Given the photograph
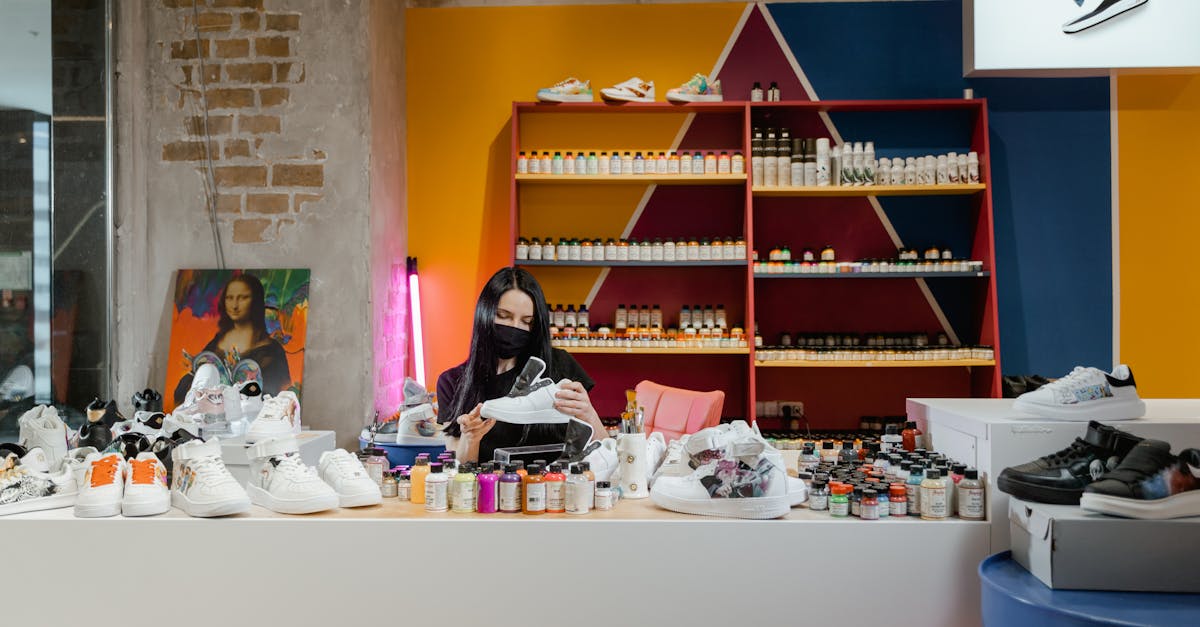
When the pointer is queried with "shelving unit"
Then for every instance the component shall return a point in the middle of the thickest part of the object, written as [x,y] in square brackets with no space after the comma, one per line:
[715,205]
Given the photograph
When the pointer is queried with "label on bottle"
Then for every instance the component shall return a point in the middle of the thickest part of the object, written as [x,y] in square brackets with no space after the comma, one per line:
[673,166]
[569,498]
[522,251]
[970,503]
[770,167]
[633,252]
[913,493]
[575,253]
[623,253]
[569,166]
[898,508]
[933,502]
[535,497]
[604,500]
[555,496]
[840,508]
[627,165]
[818,502]
[586,253]
[435,496]
[869,512]
[738,165]
[756,170]
[403,490]
[464,496]
[510,496]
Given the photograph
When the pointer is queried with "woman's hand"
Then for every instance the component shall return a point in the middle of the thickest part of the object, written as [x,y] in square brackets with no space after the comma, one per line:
[572,399]
[473,429]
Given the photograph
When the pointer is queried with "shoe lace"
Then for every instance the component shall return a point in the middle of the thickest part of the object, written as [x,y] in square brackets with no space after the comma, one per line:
[346,465]
[1077,449]
[210,469]
[293,468]
[144,471]
[1077,376]
[104,470]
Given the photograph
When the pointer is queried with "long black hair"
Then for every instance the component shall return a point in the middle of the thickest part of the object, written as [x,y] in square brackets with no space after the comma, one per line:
[258,306]
[481,364]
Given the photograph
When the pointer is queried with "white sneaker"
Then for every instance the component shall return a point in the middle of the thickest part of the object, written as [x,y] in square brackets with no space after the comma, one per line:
[180,422]
[147,423]
[534,407]
[674,464]
[146,491]
[632,90]
[251,396]
[281,482]
[26,489]
[569,90]
[603,460]
[345,474]
[743,478]
[18,385]
[201,485]
[102,487]
[41,428]
[1086,394]
[280,416]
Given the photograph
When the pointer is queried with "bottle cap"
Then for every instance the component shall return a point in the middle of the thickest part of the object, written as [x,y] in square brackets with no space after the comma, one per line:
[574,469]
[959,469]
[827,445]
[585,466]
[435,467]
[520,464]
[603,485]
[847,445]
[534,469]
[933,473]
[870,493]
[971,473]
[510,469]
[421,461]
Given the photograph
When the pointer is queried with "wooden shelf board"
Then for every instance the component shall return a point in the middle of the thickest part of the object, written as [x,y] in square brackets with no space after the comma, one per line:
[946,363]
[634,264]
[634,179]
[877,275]
[870,190]
[591,350]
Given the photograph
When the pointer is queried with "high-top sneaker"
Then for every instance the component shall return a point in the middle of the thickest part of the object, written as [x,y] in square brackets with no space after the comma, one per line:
[280,416]
[346,475]
[146,491]
[164,444]
[739,476]
[1150,483]
[1086,394]
[41,428]
[106,412]
[1059,478]
[250,394]
[102,487]
[147,423]
[281,482]
[530,402]
[130,444]
[201,485]
[147,400]
[96,435]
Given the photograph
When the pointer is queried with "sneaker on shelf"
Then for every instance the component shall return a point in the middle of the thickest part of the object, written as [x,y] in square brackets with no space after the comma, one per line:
[1086,394]
[147,423]
[147,400]
[77,460]
[202,487]
[29,487]
[1106,10]
[280,416]
[281,482]
[569,90]
[530,402]
[697,89]
[1060,478]
[95,435]
[345,474]
[18,385]
[251,395]
[1150,483]
[41,427]
[146,488]
[743,477]
[104,412]
[130,445]
[174,423]
[102,487]
[164,444]
[632,90]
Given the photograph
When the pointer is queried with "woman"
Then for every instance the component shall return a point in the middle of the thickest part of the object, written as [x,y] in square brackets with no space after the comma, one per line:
[243,326]
[511,325]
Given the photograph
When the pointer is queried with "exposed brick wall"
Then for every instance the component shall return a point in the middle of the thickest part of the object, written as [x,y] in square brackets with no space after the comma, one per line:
[251,62]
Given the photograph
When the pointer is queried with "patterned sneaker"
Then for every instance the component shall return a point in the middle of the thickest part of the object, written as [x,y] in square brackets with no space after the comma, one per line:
[1086,394]
[698,89]
[26,485]
[103,486]
[201,485]
[146,491]
[1150,484]
[632,90]
[1060,478]
[570,90]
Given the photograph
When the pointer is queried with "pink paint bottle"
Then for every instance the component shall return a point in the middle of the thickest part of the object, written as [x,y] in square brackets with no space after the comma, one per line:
[486,501]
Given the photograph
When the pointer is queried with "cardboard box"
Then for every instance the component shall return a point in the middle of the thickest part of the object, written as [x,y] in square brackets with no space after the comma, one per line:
[312,444]
[1069,548]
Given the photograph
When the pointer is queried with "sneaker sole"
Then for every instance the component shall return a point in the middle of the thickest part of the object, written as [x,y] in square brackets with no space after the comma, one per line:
[1038,493]
[152,507]
[1113,11]
[695,98]
[623,98]
[1180,505]
[574,98]
[181,502]
[757,508]
[1083,412]
[542,416]
[311,505]
[360,500]
[97,510]
[58,501]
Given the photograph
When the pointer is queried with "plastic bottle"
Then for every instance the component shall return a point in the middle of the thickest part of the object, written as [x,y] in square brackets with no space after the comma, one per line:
[578,495]
[868,177]
[534,492]
[972,167]
[436,484]
[569,164]
[737,164]
[848,177]
[897,500]
[856,501]
[462,490]
[627,164]
[809,459]
[756,162]
[910,438]
[912,489]
[869,508]
[881,492]
[756,92]
[934,504]
[839,501]
[770,162]
[522,163]
[581,163]
[829,455]
[957,472]
[614,163]
[510,490]
[719,318]
[858,159]
[556,488]
[585,468]
[972,496]
[847,454]
[419,472]
[891,441]
[622,318]
[604,496]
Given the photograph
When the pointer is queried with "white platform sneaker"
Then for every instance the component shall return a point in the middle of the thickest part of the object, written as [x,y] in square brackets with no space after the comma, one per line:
[201,486]
[342,471]
[534,406]
[280,416]
[281,482]
[1086,394]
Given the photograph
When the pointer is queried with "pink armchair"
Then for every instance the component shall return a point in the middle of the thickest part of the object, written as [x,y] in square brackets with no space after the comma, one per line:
[674,412]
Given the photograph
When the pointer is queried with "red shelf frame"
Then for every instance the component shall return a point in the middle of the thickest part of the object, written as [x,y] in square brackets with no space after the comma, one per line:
[985,381]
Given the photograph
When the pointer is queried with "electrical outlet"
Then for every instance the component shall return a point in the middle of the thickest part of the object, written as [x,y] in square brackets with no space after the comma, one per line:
[794,409]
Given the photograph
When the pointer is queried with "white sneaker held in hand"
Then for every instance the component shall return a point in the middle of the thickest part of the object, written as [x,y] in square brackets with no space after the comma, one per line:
[201,486]
[345,474]
[1086,394]
[281,482]
[280,416]
[532,401]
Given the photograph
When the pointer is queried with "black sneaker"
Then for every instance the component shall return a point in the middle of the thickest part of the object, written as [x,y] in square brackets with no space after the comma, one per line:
[1106,10]
[1150,483]
[130,444]
[147,400]
[99,411]
[96,435]
[1060,478]
[164,444]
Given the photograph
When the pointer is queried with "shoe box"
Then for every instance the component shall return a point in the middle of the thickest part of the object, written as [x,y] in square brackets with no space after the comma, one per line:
[312,444]
[1069,548]
[991,436]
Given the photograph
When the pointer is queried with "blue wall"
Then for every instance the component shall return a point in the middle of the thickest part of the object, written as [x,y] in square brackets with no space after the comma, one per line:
[1051,167]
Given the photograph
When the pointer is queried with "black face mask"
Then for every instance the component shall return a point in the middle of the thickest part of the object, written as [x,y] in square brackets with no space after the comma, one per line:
[510,341]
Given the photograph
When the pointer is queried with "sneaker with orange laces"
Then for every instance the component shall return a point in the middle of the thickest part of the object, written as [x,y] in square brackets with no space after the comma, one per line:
[146,490]
[102,487]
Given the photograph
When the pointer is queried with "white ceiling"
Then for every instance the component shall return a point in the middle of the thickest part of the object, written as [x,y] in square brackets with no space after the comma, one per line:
[25,62]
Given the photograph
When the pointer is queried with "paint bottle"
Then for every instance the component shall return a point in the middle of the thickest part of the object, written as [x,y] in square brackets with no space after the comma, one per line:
[556,166]
[881,491]
[952,168]
[883,172]
[783,158]
[823,167]
[847,454]
[534,492]
[856,501]
[943,170]
[579,493]
[934,505]
[585,469]
[829,455]
[509,488]
[858,157]
[839,501]
[435,490]
[523,249]
[487,492]
[756,92]
[602,163]
[533,164]
[614,163]
[569,164]
[897,500]
[963,175]
[581,163]
[462,488]
[956,474]
[910,437]
[972,496]
[720,321]
[910,175]
[639,164]
[522,163]
[810,170]
[868,177]
[698,163]
[604,496]
[662,165]
[972,167]
[891,441]
[724,165]
[756,162]
[770,160]
[627,164]
[656,317]
[559,316]
[912,489]
[685,163]
[622,318]
[583,317]
[869,508]
[623,250]
[818,496]
[403,486]
[773,92]
[419,472]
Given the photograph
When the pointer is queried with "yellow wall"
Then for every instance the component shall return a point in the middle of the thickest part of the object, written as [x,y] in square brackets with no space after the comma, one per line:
[1159,137]
[464,69]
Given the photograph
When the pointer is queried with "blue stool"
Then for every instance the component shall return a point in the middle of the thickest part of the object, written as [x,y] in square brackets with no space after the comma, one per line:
[1012,596]
[404,455]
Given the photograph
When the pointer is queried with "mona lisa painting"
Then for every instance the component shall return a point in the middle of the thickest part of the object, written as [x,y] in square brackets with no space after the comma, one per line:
[250,324]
